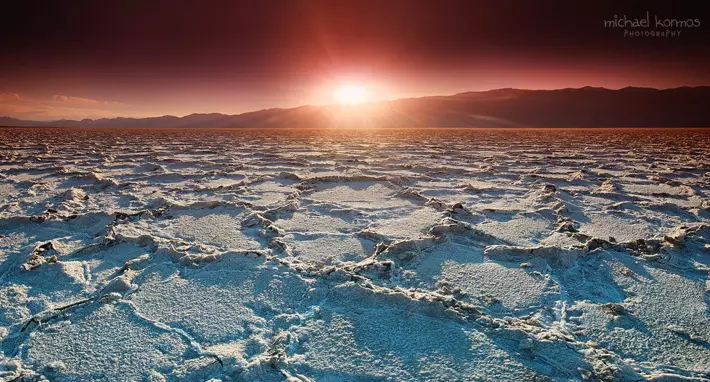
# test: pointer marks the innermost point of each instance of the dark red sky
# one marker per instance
(137, 58)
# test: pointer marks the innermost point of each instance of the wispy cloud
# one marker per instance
(85, 101)
(9, 97)
(80, 100)
(59, 106)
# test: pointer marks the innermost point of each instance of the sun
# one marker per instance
(351, 94)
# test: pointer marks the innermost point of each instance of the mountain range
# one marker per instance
(583, 107)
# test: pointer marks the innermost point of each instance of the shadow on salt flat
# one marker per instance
(619, 226)
(519, 230)
(104, 342)
(359, 195)
(221, 305)
(405, 223)
(220, 226)
(460, 268)
(360, 334)
(319, 219)
(671, 308)
(328, 248)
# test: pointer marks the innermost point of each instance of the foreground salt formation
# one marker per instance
(308, 255)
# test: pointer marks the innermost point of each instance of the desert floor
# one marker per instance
(342, 255)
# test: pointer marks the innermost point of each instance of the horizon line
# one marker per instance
(357, 105)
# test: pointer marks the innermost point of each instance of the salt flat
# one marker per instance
(352, 255)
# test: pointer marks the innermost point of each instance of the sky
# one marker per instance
(93, 59)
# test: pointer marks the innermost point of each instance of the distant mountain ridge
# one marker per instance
(583, 107)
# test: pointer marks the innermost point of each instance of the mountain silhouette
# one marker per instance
(583, 107)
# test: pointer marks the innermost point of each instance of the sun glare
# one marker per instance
(351, 94)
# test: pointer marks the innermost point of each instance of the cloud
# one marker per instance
(70, 99)
(59, 106)
(9, 97)
(85, 101)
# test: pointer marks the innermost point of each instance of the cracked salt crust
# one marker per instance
(396, 255)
